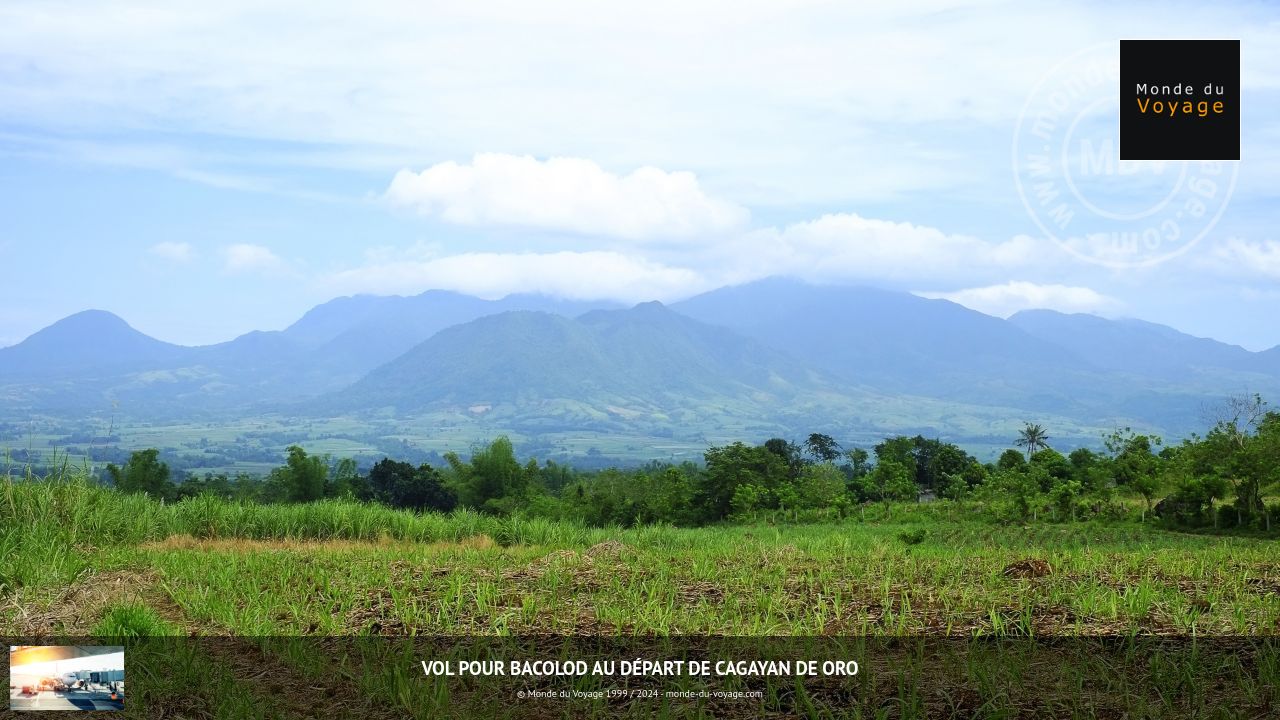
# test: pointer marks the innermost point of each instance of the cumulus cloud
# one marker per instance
(179, 252)
(1008, 298)
(847, 246)
(809, 102)
(244, 257)
(591, 275)
(1237, 256)
(832, 248)
(568, 194)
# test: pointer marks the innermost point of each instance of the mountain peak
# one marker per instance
(87, 340)
(652, 307)
(646, 312)
(88, 326)
(91, 318)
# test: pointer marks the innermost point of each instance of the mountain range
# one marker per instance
(775, 354)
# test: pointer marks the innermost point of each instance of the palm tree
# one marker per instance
(1033, 437)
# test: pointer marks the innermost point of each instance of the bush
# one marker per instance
(915, 536)
(1227, 517)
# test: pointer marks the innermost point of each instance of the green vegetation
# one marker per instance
(911, 537)
(86, 559)
(1236, 464)
(907, 568)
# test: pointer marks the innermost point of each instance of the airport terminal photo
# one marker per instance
(66, 677)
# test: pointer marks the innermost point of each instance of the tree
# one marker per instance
(730, 466)
(1018, 489)
(954, 487)
(936, 460)
(1192, 500)
(822, 447)
(401, 485)
(246, 487)
(1247, 436)
(426, 491)
(1033, 437)
(1064, 497)
(789, 452)
(670, 495)
(385, 478)
(493, 481)
(859, 462)
(822, 486)
(787, 497)
(143, 473)
(1054, 468)
(893, 482)
(347, 482)
(1011, 460)
(217, 485)
(305, 477)
(899, 450)
(747, 500)
(1089, 469)
(1135, 465)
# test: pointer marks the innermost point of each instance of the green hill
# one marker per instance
(645, 360)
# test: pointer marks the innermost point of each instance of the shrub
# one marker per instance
(915, 536)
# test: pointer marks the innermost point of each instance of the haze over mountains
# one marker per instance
(772, 354)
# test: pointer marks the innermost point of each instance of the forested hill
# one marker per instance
(772, 355)
(643, 360)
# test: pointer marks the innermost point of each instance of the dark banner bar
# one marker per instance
(573, 677)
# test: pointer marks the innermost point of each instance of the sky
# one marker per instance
(206, 169)
(108, 661)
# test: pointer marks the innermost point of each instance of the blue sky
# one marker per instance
(206, 169)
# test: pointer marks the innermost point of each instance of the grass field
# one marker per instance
(84, 560)
(345, 568)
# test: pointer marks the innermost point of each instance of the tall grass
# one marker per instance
(49, 526)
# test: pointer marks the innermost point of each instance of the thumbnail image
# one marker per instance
(66, 677)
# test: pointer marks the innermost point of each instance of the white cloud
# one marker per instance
(1008, 298)
(563, 193)
(847, 246)
(592, 275)
(809, 98)
(832, 248)
(244, 257)
(179, 252)
(1240, 257)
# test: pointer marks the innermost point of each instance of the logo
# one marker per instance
(1075, 186)
(1180, 99)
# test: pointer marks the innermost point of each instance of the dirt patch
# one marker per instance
(80, 605)
(375, 616)
(692, 593)
(1263, 586)
(568, 561)
(1027, 568)
(608, 549)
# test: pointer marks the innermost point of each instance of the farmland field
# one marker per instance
(201, 447)
(84, 560)
(809, 580)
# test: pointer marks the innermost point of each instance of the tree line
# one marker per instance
(1213, 480)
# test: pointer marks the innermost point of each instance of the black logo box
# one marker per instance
(1187, 68)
